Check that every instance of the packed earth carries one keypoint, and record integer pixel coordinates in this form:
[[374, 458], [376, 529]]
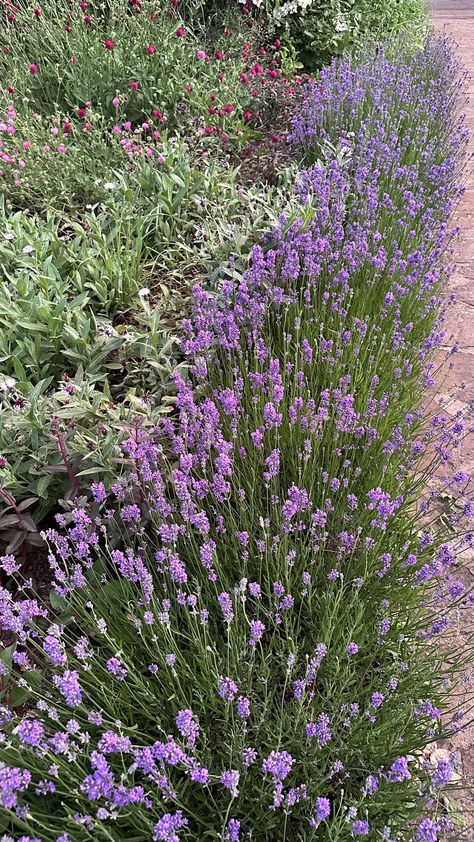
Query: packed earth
[[236, 509]]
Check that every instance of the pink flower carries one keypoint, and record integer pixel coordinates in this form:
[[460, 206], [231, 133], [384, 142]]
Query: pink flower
[[218, 54], [201, 55], [62, 148], [134, 86], [109, 44], [88, 20], [180, 31], [34, 69], [151, 49], [37, 12], [247, 116], [116, 102], [26, 144], [81, 112]]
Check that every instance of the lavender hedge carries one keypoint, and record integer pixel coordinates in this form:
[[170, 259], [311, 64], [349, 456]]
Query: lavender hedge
[[244, 641]]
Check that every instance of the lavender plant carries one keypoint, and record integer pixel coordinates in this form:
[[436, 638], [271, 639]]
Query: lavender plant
[[244, 641]]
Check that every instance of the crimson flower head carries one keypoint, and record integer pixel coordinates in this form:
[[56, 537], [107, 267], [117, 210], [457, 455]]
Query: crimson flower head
[[151, 49], [34, 69], [218, 54], [109, 44], [10, 89], [37, 12], [81, 112], [153, 16], [247, 116], [83, 5], [180, 31], [67, 28], [67, 127], [88, 20], [134, 86]]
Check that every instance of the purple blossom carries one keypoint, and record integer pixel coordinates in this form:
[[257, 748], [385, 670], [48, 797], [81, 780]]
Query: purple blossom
[[399, 770], [320, 729], [69, 687], [31, 731], [278, 764], [225, 601], [116, 668], [257, 629], [322, 811], [360, 828], [188, 726], [233, 830], [227, 689], [230, 780], [165, 829], [243, 707]]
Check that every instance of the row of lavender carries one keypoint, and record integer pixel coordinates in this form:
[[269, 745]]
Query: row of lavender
[[245, 637]]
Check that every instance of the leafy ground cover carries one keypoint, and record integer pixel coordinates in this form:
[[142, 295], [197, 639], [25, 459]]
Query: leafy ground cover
[[243, 639]]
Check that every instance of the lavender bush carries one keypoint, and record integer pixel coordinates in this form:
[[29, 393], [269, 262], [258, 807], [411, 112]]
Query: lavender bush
[[244, 641]]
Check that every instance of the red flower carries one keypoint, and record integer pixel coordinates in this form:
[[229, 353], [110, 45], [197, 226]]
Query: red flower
[[209, 130], [88, 20], [83, 5], [37, 12], [180, 31], [218, 54], [67, 127], [247, 116], [228, 109], [34, 69], [227, 31], [244, 78], [81, 112], [109, 44], [67, 28], [188, 89], [134, 86], [153, 16], [151, 49], [10, 89]]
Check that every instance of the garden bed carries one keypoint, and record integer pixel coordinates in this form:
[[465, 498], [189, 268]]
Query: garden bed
[[223, 300]]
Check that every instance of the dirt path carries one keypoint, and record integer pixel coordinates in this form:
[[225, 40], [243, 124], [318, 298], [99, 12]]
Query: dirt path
[[456, 18]]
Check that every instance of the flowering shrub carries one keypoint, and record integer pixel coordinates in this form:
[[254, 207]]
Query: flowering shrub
[[320, 29], [244, 637]]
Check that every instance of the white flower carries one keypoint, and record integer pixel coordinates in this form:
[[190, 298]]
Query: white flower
[[9, 235], [109, 185], [6, 384], [28, 249], [144, 292]]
